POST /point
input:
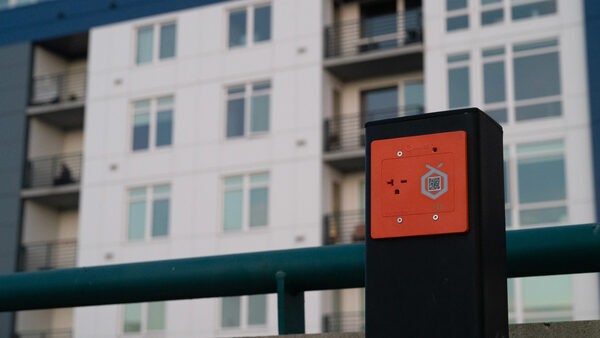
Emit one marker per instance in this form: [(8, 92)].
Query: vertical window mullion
[(510, 96), (519, 317), (514, 187), (245, 206), (247, 107)]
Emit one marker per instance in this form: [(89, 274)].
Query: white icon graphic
[(434, 183)]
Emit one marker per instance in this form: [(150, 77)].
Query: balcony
[(58, 99), (344, 322), (60, 254), (53, 180), (344, 227), (384, 45), (344, 136)]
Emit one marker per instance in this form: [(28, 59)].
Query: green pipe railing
[(530, 252)]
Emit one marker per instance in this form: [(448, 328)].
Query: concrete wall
[(15, 61)]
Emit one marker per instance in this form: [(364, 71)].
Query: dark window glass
[(536, 111), (167, 41), (380, 103), (160, 217), (164, 128), (237, 28), (458, 87), (499, 115), (541, 179), (457, 22), (493, 82), (533, 9), (455, 4), (492, 17), (141, 131), (262, 24), (235, 117), (536, 76)]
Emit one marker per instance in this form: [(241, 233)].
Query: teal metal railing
[(531, 252)]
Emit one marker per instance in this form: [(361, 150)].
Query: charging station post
[(435, 244)]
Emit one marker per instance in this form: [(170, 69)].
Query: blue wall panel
[(63, 17), (14, 90)]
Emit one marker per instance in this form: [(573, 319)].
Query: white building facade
[(236, 127)]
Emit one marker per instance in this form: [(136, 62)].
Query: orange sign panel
[(419, 185)]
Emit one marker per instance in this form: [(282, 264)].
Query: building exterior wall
[(14, 88), (572, 126), (201, 156)]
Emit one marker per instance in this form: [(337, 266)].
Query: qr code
[(434, 183)]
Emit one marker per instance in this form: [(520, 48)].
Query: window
[(243, 312), (149, 212), (414, 97), (458, 81), (248, 109), (145, 132), (156, 42), (245, 202), (492, 12), (536, 80), (458, 15), (256, 19), (535, 194), (144, 317), (494, 85), (523, 9), (380, 103)]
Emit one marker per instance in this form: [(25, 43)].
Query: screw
[(435, 217), (399, 153), (399, 219)]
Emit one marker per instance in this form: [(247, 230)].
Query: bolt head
[(399, 153), (399, 220), (435, 217)]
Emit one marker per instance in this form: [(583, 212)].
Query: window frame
[(249, 9), (143, 319), (455, 13), (244, 314), (489, 7), (148, 199), (456, 64), (246, 187), (156, 29), (513, 173), (152, 124), (508, 89), (247, 95)]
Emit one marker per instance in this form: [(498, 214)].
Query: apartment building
[(237, 127)]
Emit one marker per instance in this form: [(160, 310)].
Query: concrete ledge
[(587, 328)]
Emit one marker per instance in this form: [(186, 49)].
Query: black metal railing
[(52, 333), (346, 131), (48, 255), (344, 227), (365, 35), (344, 322), (53, 170), (58, 88)]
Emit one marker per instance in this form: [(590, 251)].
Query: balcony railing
[(50, 255), (55, 333), (344, 227), (365, 35), (53, 171), (346, 131), (58, 88), (344, 322)]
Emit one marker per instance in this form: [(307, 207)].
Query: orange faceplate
[(419, 185)]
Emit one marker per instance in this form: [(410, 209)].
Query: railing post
[(435, 244), (290, 307)]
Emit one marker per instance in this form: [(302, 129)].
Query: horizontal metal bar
[(530, 252), (307, 269)]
